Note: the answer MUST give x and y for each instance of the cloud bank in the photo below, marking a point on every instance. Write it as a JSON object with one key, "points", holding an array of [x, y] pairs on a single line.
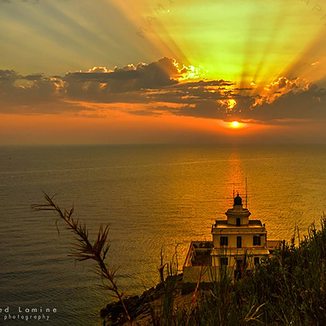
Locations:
{"points": [[163, 87]]}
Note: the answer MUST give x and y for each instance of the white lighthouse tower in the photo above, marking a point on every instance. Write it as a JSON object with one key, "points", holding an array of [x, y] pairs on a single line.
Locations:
{"points": [[238, 244]]}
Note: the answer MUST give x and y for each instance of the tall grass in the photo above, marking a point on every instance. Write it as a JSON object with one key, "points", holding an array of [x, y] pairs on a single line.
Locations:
{"points": [[85, 249], [286, 289]]}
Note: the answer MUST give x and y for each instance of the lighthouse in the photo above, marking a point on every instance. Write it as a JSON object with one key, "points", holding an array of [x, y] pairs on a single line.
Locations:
{"points": [[238, 244]]}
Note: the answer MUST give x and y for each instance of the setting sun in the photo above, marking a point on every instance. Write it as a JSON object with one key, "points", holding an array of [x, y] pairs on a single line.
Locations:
{"points": [[235, 124]]}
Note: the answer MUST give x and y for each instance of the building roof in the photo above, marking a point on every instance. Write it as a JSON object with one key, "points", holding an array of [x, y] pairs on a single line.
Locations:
{"points": [[199, 253], [224, 223]]}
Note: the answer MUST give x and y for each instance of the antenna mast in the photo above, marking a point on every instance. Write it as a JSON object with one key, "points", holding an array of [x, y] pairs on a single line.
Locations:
{"points": [[246, 193]]}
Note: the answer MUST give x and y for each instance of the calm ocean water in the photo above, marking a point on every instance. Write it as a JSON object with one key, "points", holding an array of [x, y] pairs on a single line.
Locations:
{"points": [[152, 196]]}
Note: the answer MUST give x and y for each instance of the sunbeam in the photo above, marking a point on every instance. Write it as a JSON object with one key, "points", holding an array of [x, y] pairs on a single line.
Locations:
{"points": [[195, 64]]}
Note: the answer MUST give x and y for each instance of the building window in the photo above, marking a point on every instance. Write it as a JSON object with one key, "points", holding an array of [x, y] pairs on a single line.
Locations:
{"points": [[256, 240], [224, 261], [256, 261], [224, 241], [239, 242], [238, 221]]}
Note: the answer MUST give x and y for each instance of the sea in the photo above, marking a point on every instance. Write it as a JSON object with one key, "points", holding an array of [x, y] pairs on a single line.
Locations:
{"points": [[155, 199]]}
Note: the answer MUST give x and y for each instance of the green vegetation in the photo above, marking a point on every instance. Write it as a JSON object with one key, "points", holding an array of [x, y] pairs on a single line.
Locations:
{"points": [[288, 289]]}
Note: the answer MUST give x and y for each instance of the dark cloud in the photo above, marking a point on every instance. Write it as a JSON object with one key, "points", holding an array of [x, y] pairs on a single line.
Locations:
{"points": [[31, 93], [207, 83], [204, 109], [154, 82], [130, 78], [157, 85], [7, 76], [35, 77], [193, 92], [306, 104]]}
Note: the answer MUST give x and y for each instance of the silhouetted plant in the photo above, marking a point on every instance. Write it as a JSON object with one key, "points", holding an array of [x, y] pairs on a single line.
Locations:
{"points": [[85, 249]]}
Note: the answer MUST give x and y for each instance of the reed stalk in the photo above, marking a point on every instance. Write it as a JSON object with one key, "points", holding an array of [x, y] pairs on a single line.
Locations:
{"points": [[85, 249]]}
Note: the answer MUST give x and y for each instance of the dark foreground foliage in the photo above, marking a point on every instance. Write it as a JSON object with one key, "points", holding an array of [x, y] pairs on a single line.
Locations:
{"points": [[288, 289]]}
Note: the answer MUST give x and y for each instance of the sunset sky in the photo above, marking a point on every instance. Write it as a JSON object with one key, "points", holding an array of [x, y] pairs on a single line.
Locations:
{"points": [[146, 71]]}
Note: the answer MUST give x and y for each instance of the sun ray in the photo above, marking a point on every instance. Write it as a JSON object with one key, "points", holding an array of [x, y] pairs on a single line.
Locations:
{"points": [[247, 43]]}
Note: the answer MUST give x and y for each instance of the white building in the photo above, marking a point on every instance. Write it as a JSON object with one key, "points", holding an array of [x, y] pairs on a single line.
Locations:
{"points": [[238, 244]]}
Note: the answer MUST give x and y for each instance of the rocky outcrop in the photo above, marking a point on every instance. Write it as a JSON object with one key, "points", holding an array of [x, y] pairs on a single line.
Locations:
{"points": [[138, 306]]}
